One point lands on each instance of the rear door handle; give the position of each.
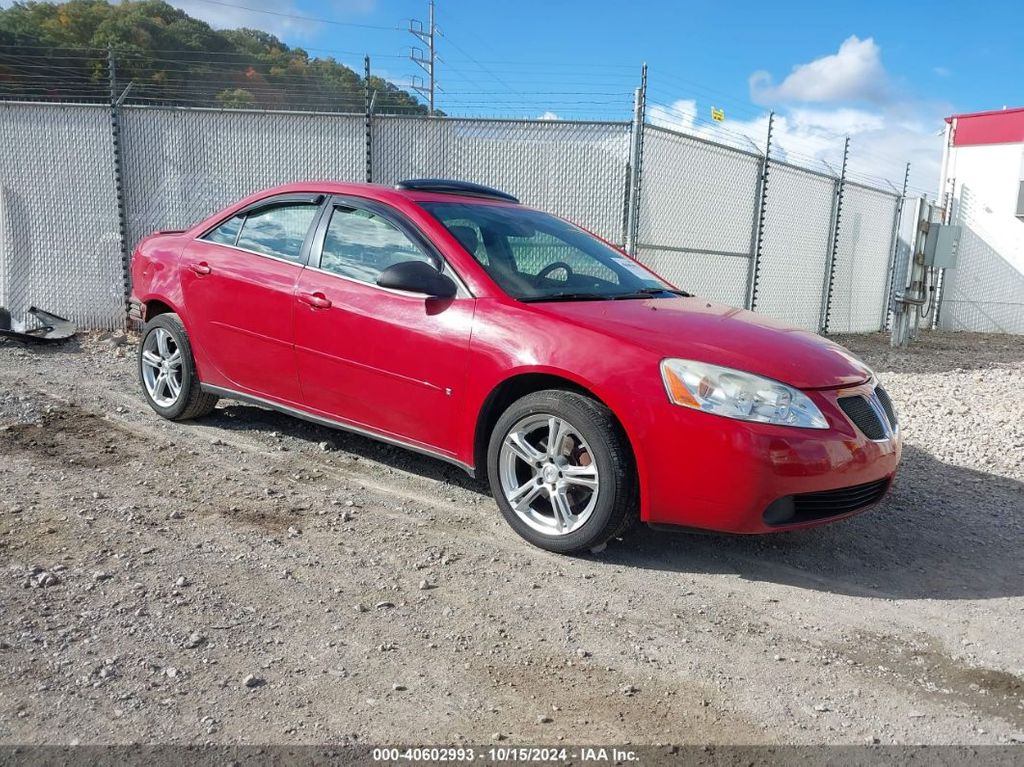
(315, 300)
(201, 268)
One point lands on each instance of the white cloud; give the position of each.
(549, 115)
(820, 103)
(881, 141)
(271, 16)
(854, 73)
(278, 17)
(680, 115)
(941, 71)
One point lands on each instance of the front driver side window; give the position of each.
(360, 245)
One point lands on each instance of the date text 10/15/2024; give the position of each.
(504, 754)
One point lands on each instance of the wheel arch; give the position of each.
(519, 385)
(156, 306)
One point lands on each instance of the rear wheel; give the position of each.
(168, 371)
(561, 471)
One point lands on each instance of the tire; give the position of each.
(593, 449)
(163, 336)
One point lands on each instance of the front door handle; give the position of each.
(202, 268)
(315, 300)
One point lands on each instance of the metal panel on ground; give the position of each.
(794, 246)
(181, 165)
(59, 241)
(574, 169)
(862, 260)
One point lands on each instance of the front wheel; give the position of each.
(562, 472)
(168, 371)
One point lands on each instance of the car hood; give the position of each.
(693, 328)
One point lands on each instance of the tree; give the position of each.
(236, 98)
(59, 51)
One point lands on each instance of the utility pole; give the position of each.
(425, 62)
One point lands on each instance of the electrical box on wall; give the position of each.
(942, 245)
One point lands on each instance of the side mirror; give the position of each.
(417, 277)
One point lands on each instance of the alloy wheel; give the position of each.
(161, 367)
(548, 474)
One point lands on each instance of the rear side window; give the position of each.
(360, 245)
(226, 233)
(278, 231)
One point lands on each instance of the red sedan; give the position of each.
(447, 318)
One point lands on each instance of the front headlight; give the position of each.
(735, 394)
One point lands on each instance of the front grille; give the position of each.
(864, 417)
(890, 411)
(809, 507)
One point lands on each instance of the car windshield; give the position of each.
(535, 256)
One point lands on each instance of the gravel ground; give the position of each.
(252, 578)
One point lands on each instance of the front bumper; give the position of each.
(709, 472)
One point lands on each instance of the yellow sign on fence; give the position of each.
(718, 115)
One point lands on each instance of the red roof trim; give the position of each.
(998, 126)
(986, 113)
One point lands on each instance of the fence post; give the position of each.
(893, 249)
(830, 264)
(760, 211)
(122, 214)
(636, 165)
(368, 104)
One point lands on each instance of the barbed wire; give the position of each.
(291, 78)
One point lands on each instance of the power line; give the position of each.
(301, 17)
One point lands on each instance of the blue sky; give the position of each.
(883, 73)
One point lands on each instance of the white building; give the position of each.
(983, 176)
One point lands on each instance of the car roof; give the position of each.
(383, 193)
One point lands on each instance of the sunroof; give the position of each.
(447, 186)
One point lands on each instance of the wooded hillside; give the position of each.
(60, 52)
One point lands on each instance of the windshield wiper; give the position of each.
(648, 292)
(566, 297)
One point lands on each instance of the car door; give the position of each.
(238, 281)
(389, 361)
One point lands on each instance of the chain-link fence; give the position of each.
(698, 208)
(181, 165)
(866, 241)
(720, 221)
(701, 223)
(798, 229)
(59, 242)
(577, 169)
(983, 292)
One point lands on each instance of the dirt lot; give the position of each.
(255, 579)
